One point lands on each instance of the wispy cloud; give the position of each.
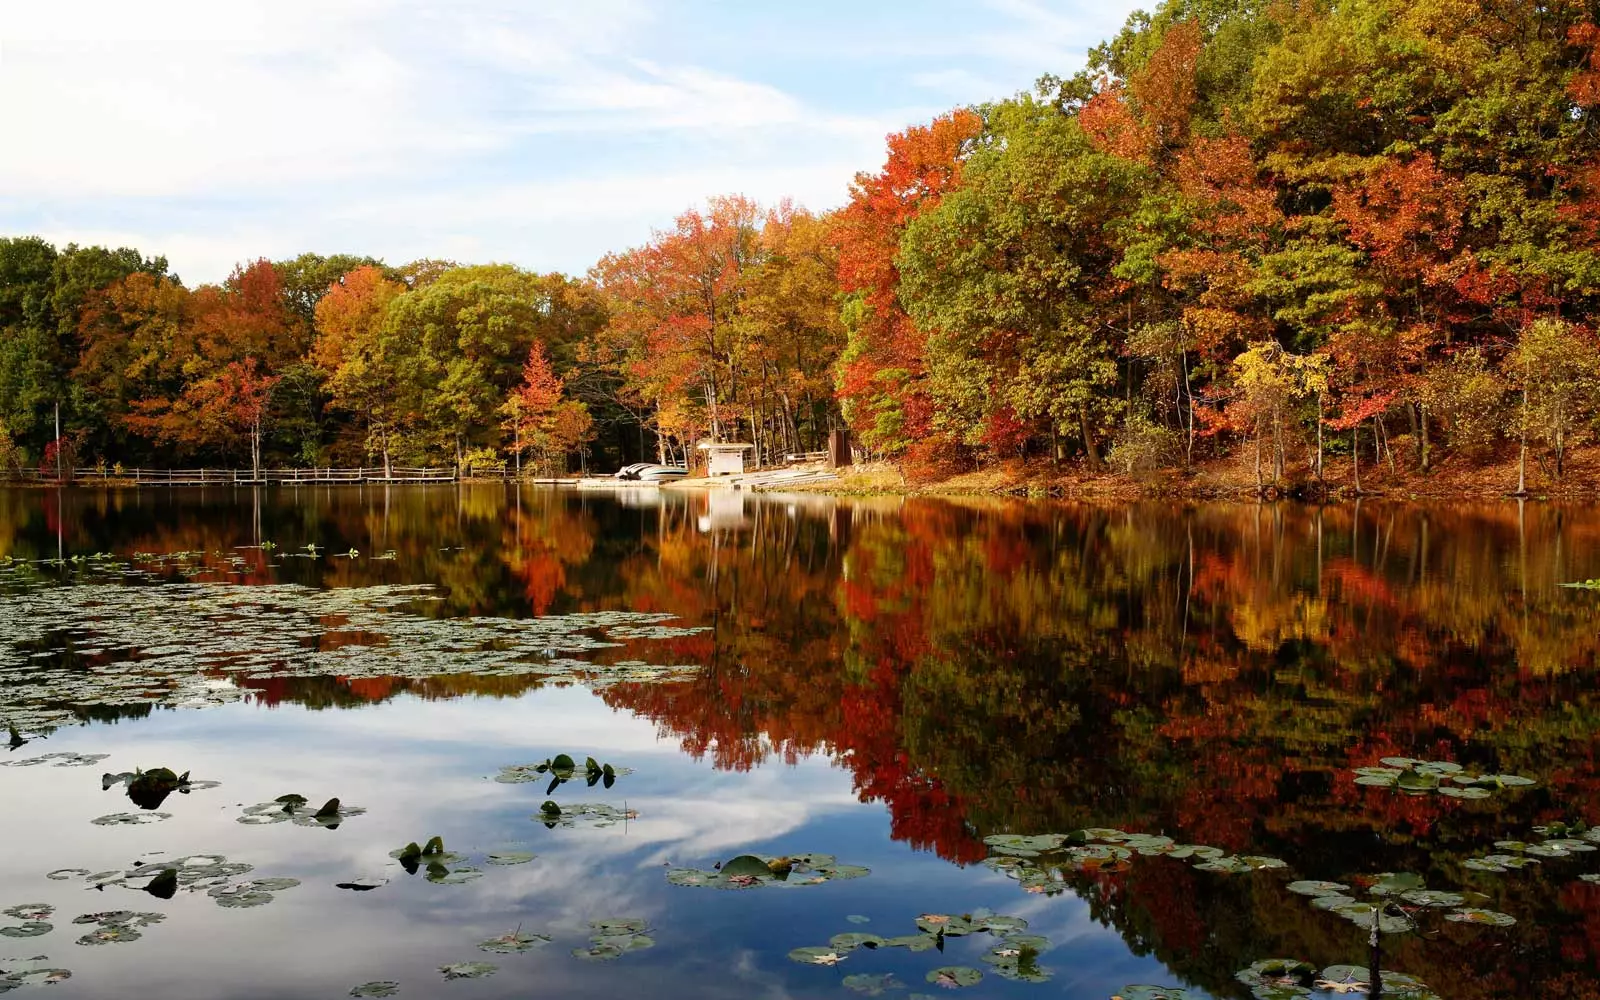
(219, 132)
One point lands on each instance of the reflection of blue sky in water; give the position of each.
(424, 768)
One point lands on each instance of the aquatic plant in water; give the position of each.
(192, 637)
(380, 988)
(1442, 777)
(614, 937)
(596, 815)
(561, 768)
(30, 972)
(295, 809)
(753, 871)
(34, 920)
(1035, 861)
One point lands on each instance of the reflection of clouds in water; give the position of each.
(420, 768)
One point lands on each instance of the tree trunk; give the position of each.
(1422, 426)
(1319, 437)
(1095, 461)
(1522, 457)
(1258, 456)
(1355, 455)
(1188, 390)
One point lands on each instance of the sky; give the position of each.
(533, 132)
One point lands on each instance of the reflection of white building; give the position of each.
(725, 458)
(724, 510)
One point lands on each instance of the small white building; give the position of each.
(725, 458)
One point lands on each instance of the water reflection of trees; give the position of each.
(1205, 671)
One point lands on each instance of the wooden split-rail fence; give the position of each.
(245, 477)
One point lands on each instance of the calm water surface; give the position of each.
(887, 682)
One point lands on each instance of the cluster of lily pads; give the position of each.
(30, 972)
(613, 937)
(34, 920)
(1441, 777)
(163, 878)
(1014, 955)
(439, 866)
(167, 644)
(561, 769)
(1033, 861)
(116, 926)
(296, 809)
(58, 760)
(1397, 900)
(754, 871)
(1292, 979)
(1561, 841)
(595, 815)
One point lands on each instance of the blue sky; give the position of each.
(536, 132)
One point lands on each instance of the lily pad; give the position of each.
(468, 970)
(1277, 978)
(856, 918)
(946, 924)
(1491, 918)
(816, 956)
(1145, 991)
(954, 976)
(514, 943)
(30, 911)
(131, 819)
(869, 985)
(376, 989)
(1312, 888)
(27, 929)
(33, 972)
(1432, 898)
(1362, 915)
(852, 941)
(59, 760)
(366, 883)
(507, 858)
(911, 942)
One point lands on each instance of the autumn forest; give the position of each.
(1294, 232)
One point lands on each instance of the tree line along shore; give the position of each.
(1252, 245)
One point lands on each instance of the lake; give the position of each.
(839, 747)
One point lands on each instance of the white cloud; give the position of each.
(542, 134)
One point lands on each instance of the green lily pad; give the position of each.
(869, 985)
(946, 924)
(1011, 843)
(33, 972)
(440, 875)
(1464, 793)
(1391, 884)
(1277, 978)
(999, 923)
(1312, 888)
(111, 934)
(1417, 781)
(1348, 976)
(59, 760)
(1491, 918)
(376, 989)
(911, 942)
(514, 943)
(131, 819)
(120, 918)
(1432, 898)
(851, 941)
(27, 929)
(1591, 878)
(1572, 846)
(1402, 763)
(1332, 902)
(30, 911)
(508, 858)
(468, 970)
(1377, 780)
(1225, 865)
(1362, 915)
(954, 976)
(1144, 991)
(816, 956)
